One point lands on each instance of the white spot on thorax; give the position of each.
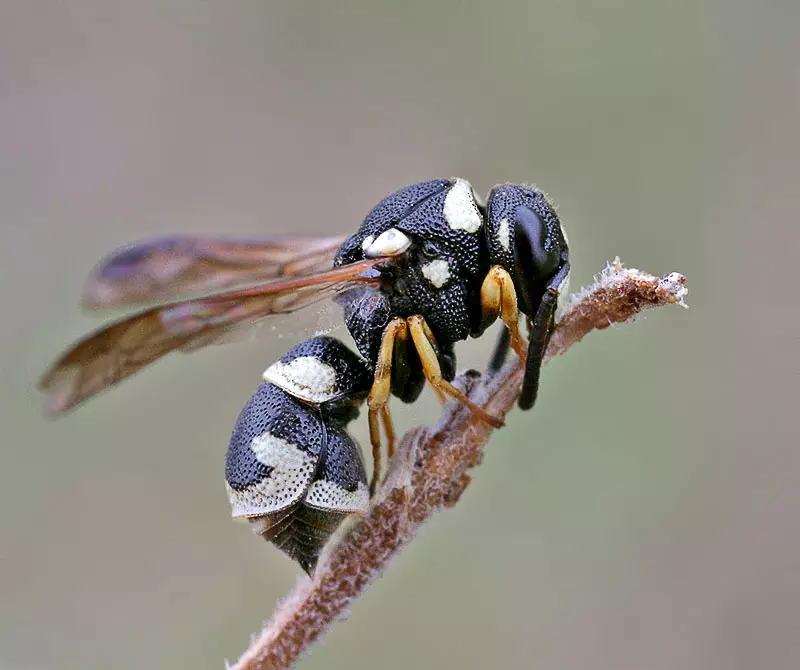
(504, 234)
(325, 494)
(437, 272)
(292, 469)
(389, 243)
(306, 378)
(460, 210)
(368, 240)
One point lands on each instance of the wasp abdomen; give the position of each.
(291, 468)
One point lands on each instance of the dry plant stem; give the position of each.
(429, 471)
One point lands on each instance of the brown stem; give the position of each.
(429, 471)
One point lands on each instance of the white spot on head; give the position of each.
(437, 272)
(460, 210)
(368, 240)
(564, 300)
(306, 378)
(292, 469)
(564, 297)
(504, 234)
(327, 495)
(564, 232)
(390, 242)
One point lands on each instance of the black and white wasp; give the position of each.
(430, 265)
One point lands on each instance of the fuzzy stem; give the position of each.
(429, 472)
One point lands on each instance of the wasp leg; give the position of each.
(432, 339)
(424, 343)
(394, 333)
(375, 439)
(540, 331)
(388, 428)
(499, 298)
(500, 352)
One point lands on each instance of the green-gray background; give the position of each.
(645, 515)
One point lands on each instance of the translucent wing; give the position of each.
(121, 349)
(169, 268)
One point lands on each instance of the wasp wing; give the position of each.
(121, 349)
(173, 267)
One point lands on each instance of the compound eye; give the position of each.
(391, 242)
(531, 237)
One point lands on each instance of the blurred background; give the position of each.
(645, 515)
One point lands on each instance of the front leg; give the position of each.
(499, 298)
(540, 331)
(424, 342)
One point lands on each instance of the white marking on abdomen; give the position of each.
(292, 469)
(305, 377)
(325, 494)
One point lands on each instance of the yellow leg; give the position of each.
(388, 428)
(375, 439)
(379, 396)
(433, 371)
(499, 298)
(432, 339)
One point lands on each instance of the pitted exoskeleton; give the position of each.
(292, 469)
(529, 257)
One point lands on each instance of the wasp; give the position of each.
(430, 265)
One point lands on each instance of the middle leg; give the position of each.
(424, 343)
